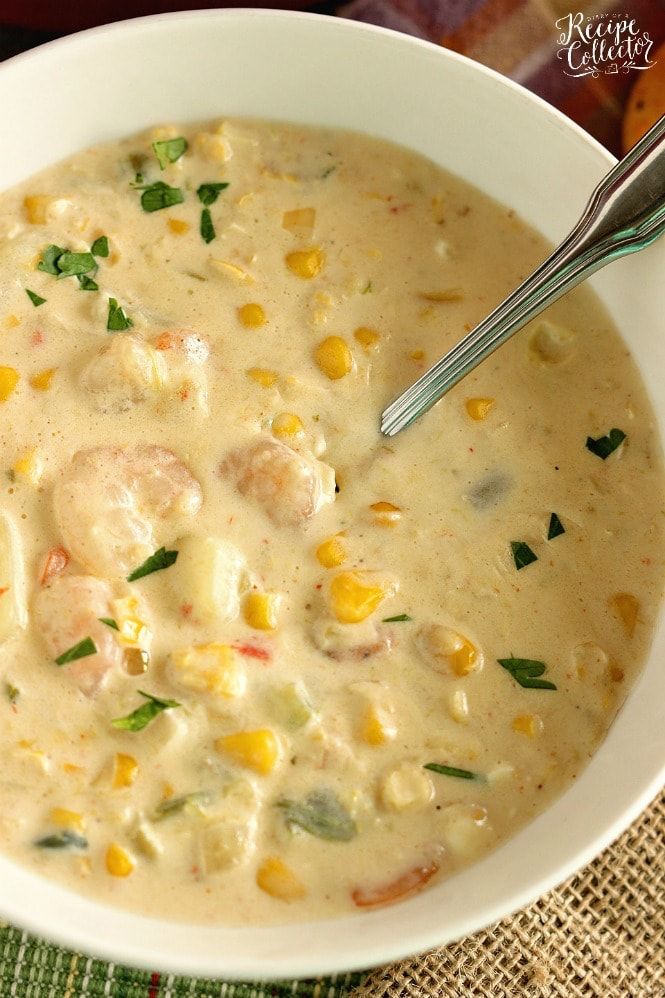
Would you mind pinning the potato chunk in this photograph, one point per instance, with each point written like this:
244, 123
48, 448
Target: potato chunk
208, 576
229, 837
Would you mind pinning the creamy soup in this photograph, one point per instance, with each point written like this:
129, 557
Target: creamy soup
260, 663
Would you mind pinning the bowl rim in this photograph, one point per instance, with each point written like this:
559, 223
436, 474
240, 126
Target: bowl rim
38, 923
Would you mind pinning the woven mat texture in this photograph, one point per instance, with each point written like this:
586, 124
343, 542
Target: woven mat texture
600, 935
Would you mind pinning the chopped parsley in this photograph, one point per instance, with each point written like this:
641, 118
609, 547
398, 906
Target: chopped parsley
87, 283
169, 150
144, 714
12, 692
398, 619
174, 805
320, 814
326, 173
208, 193
207, 229
50, 256
155, 563
604, 446
522, 554
367, 288
62, 840
100, 247
556, 527
461, 774
526, 671
159, 195
36, 299
110, 622
72, 264
117, 318
80, 650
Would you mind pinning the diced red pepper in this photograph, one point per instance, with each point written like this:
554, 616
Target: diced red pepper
404, 886
56, 562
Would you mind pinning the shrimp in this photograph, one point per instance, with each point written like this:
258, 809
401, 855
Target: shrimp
116, 506
66, 612
129, 370
290, 487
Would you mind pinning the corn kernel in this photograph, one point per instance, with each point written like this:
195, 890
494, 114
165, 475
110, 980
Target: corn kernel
386, 514
353, 597
213, 147
178, 226
458, 706
12, 321
368, 338
479, 409
125, 770
448, 650
262, 376
305, 263
35, 208
29, 467
132, 631
376, 727
118, 861
527, 724
257, 750
212, 668
333, 357
299, 221
8, 381
42, 380
331, 553
260, 610
137, 661
287, 424
64, 818
627, 608
278, 880
252, 316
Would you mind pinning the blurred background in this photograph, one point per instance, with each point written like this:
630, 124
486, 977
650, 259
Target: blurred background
615, 102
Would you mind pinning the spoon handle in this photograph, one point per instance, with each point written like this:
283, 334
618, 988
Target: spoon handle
625, 213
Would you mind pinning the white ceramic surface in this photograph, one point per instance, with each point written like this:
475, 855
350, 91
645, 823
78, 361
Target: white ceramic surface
111, 81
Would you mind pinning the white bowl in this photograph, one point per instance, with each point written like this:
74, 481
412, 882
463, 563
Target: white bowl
112, 81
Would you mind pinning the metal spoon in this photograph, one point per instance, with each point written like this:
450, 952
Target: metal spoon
625, 213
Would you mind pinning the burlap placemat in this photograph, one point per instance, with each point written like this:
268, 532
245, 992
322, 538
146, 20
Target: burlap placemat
599, 935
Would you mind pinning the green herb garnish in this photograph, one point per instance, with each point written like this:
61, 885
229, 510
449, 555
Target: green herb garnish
169, 151
320, 814
522, 554
198, 799
87, 283
62, 840
367, 288
50, 256
603, 446
398, 619
206, 228
326, 173
72, 264
117, 318
556, 527
100, 247
526, 671
34, 298
461, 774
110, 622
144, 714
208, 193
155, 563
159, 195
12, 692
80, 650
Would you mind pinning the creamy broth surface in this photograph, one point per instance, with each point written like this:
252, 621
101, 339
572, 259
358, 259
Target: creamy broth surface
320, 613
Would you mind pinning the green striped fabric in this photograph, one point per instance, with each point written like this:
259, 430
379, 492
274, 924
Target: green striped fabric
33, 968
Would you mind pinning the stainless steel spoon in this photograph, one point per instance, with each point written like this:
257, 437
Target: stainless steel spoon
625, 213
